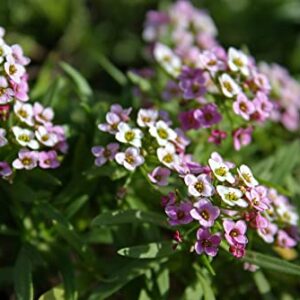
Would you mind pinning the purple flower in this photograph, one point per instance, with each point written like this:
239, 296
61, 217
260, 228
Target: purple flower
235, 232
27, 160
207, 243
181, 141
243, 107
130, 159
43, 115
242, 137
4, 112
188, 120
48, 160
263, 107
21, 89
192, 83
284, 240
160, 176
205, 212
103, 154
267, 233
258, 221
18, 55
171, 91
199, 186
111, 126
208, 115
5, 169
123, 114
168, 200
180, 213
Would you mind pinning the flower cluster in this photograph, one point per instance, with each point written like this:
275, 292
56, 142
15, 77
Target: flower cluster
183, 26
150, 137
28, 138
212, 84
285, 95
227, 204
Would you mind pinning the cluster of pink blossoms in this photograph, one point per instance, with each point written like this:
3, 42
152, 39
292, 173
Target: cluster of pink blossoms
226, 204
25, 128
285, 95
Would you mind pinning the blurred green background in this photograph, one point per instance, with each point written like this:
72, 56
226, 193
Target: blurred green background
74, 30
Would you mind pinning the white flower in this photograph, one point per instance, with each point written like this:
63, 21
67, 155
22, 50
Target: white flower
46, 137
199, 186
3, 140
129, 135
130, 159
246, 175
238, 61
167, 59
4, 50
167, 155
13, 70
229, 87
25, 137
24, 112
221, 171
231, 196
162, 133
287, 214
147, 117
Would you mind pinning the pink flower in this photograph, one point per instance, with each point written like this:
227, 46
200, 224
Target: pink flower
267, 233
48, 160
5, 169
216, 136
4, 112
27, 160
235, 232
207, 243
7, 93
199, 186
263, 107
21, 89
104, 154
43, 115
160, 176
123, 114
250, 267
284, 240
168, 200
237, 250
256, 201
188, 120
242, 137
243, 107
111, 126
205, 213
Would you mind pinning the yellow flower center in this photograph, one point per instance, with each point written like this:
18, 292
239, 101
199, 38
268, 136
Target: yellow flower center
227, 85
205, 215
231, 196
168, 158
12, 69
199, 186
129, 136
129, 158
163, 134
26, 161
24, 138
220, 171
238, 62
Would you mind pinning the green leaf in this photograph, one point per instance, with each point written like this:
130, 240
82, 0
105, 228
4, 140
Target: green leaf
143, 84
163, 283
193, 291
115, 73
84, 90
205, 283
151, 250
262, 284
57, 293
22, 276
130, 216
75, 206
272, 263
114, 173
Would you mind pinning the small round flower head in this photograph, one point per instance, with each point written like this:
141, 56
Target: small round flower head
242, 137
189, 120
208, 115
287, 214
263, 107
25, 137
104, 154
284, 240
205, 212
43, 115
235, 232
160, 176
26, 160
207, 243
48, 160
246, 175
45, 136
5, 170
217, 136
122, 113
24, 112
256, 201
231, 196
147, 117
130, 159
169, 61
221, 171
128, 135
243, 107
111, 126
179, 213
167, 155
238, 250
238, 61
228, 86
163, 133
14, 70
199, 186
3, 140
268, 233
7, 93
